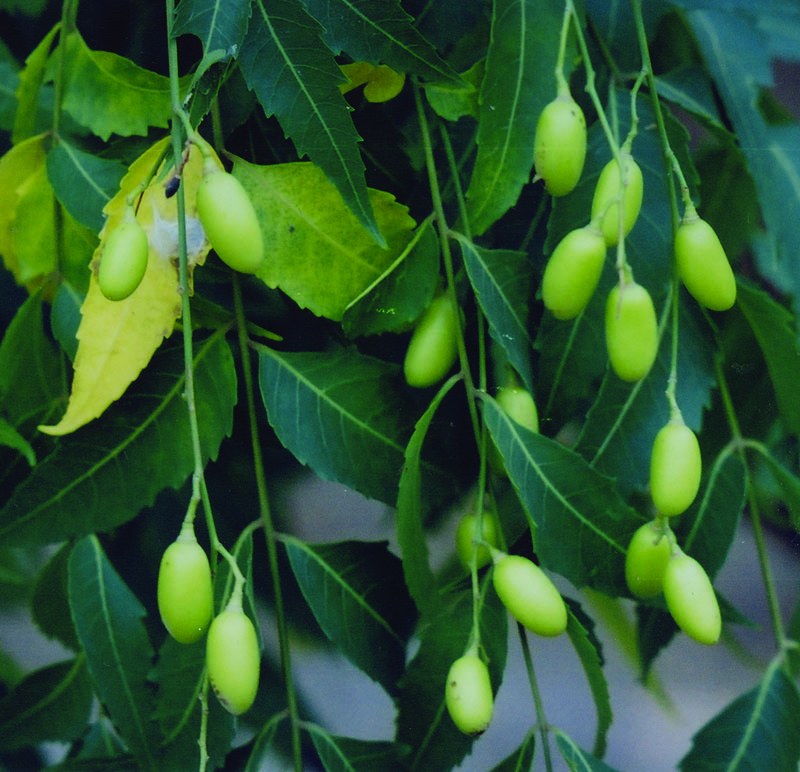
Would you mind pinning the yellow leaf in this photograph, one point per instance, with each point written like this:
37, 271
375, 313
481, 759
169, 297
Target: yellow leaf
381, 83
116, 339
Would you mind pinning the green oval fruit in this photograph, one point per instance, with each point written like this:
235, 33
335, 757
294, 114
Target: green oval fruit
703, 266
691, 600
233, 660
559, 147
468, 694
646, 560
229, 220
466, 532
529, 595
675, 468
572, 272
631, 331
123, 260
605, 204
185, 592
519, 405
433, 348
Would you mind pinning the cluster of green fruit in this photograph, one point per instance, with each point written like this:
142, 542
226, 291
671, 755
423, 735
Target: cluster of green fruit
228, 218
654, 563
186, 605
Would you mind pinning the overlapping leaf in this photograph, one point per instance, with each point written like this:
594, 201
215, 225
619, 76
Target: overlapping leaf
335, 409
357, 595
30, 83
108, 618
521, 759
582, 525
518, 83
319, 254
577, 759
104, 475
116, 339
347, 754
297, 80
381, 32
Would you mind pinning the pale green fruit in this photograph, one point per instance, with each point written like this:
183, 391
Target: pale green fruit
229, 220
703, 265
519, 405
631, 331
529, 595
468, 694
559, 148
572, 272
691, 599
465, 533
123, 261
433, 348
605, 203
675, 468
233, 660
646, 560
185, 591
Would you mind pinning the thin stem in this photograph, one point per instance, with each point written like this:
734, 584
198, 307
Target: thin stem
537, 697
755, 513
265, 514
202, 740
69, 13
562, 85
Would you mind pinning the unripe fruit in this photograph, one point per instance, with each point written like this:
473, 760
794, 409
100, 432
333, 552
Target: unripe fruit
559, 147
691, 600
229, 220
433, 347
518, 404
572, 272
468, 694
529, 595
185, 592
675, 468
631, 331
465, 533
646, 560
123, 261
605, 204
703, 266
233, 660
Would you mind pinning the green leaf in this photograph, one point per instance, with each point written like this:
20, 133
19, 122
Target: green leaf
738, 57
580, 629
65, 318
380, 32
83, 183
789, 484
452, 103
180, 677
109, 94
9, 82
577, 759
624, 419
50, 704
357, 595
774, 329
521, 759
296, 79
11, 438
582, 525
30, 376
689, 88
50, 602
108, 618
422, 720
411, 511
517, 85
757, 731
102, 475
346, 754
219, 24
319, 254
397, 297
352, 412
502, 280
30, 83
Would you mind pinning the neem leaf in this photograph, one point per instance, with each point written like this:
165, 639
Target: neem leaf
347, 754
30, 83
577, 759
319, 254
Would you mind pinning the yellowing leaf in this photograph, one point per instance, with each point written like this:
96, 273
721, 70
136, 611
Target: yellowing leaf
317, 251
381, 83
116, 339
27, 240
